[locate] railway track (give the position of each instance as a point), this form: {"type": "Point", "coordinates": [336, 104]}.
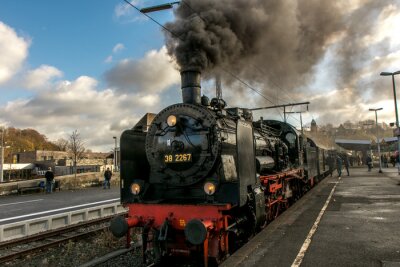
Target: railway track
{"type": "Point", "coordinates": [13, 249]}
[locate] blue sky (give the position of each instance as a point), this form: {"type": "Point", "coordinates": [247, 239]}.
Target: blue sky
{"type": "Point", "coordinates": [99, 66]}
{"type": "Point", "coordinates": [77, 36]}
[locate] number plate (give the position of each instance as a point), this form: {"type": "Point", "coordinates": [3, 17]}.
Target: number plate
{"type": "Point", "coordinates": [178, 158]}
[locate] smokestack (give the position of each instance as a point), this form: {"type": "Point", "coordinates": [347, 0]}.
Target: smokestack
{"type": "Point", "coordinates": [191, 89]}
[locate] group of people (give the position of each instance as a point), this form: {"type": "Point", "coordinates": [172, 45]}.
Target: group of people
{"type": "Point", "coordinates": [49, 175]}
{"type": "Point", "coordinates": [385, 160]}
{"type": "Point", "coordinates": [340, 160]}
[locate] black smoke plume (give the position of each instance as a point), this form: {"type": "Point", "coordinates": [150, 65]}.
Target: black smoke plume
{"type": "Point", "coordinates": [270, 41]}
{"type": "Point", "coordinates": [257, 39]}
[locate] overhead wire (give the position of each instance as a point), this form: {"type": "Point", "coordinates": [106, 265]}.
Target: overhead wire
{"type": "Point", "coordinates": [180, 38]}
{"type": "Point", "coordinates": [225, 70]}
{"type": "Point", "coordinates": [281, 89]}
{"type": "Point", "coordinates": [230, 73]}
{"type": "Point", "coordinates": [252, 88]}
{"type": "Point", "coordinates": [155, 21]}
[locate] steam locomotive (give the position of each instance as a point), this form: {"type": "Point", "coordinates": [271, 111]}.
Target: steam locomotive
{"type": "Point", "coordinates": [200, 179]}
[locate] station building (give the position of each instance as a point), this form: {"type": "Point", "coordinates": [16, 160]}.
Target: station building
{"type": "Point", "coordinates": [28, 164]}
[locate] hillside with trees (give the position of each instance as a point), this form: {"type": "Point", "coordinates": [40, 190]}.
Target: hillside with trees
{"type": "Point", "coordinates": [19, 140]}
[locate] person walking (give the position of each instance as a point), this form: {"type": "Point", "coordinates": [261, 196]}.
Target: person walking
{"type": "Point", "coordinates": [49, 175]}
{"type": "Point", "coordinates": [347, 164]}
{"type": "Point", "coordinates": [107, 178]}
{"type": "Point", "coordinates": [339, 165]}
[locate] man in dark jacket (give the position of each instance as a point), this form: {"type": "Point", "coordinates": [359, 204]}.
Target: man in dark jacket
{"type": "Point", "coordinates": [107, 178]}
{"type": "Point", "coordinates": [369, 162]}
{"type": "Point", "coordinates": [49, 175]}
{"type": "Point", "coordinates": [347, 164]}
{"type": "Point", "coordinates": [331, 163]}
{"type": "Point", "coordinates": [339, 164]}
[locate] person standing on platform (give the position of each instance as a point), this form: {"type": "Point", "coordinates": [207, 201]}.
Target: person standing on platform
{"type": "Point", "coordinates": [347, 164]}
{"type": "Point", "coordinates": [49, 175]}
{"type": "Point", "coordinates": [369, 162]}
{"type": "Point", "coordinates": [107, 178]}
{"type": "Point", "coordinates": [339, 165]}
{"type": "Point", "coordinates": [331, 163]}
{"type": "Point", "coordinates": [385, 161]}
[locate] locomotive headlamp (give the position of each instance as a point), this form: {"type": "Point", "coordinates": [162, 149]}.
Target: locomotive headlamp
{"type": "Point", "coordinates": [135, 189]}
{"type": "Point", "coordinates": [209, 188]}
{"type": "Point", "coordinates": [171, 120]}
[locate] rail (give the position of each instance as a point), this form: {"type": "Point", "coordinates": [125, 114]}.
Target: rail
{"type": "Point", "coordinates": [13, 249]}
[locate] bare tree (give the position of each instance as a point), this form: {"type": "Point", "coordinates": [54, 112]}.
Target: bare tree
{"type": "Point", "coordinates": [76, 147]}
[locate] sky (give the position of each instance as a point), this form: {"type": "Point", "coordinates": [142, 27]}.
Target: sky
{"type": "Point", "coordinates": [99, 66]}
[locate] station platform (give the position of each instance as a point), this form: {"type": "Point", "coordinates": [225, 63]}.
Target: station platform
{"type": "Point", "coordinates": [349, 221]}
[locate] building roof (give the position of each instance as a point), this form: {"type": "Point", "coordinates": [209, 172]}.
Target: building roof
{"type": "Point", "coordinates": [358, 145]}
{"type": "Point", "coordinates": [389, 139]}
{"type": "Point", "coordinates": [350, 141]}
{"type": "Point", "coordinates": [18, 166]}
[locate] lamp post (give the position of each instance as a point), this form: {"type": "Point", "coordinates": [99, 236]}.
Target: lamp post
{"type": "Point", "coordinates": [115, 154]}
{"type": "Point", "coordinates": [397, 116]}
{"type": "Point", "coordinates": [2, 155]}
{"type": "Point", "coordinates": [377, 136]}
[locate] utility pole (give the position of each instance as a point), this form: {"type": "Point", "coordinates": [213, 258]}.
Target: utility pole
{"type": "Point", "coordinates": [397, 115]}
{"type": "Point", "coordinates": [2, 155]}
{"type": "Point", "coordinates": [115, 154]}
{"type": "Point", "coordinates": [301, 119]}
{"type": "Point", "coordinates": [284, 107]}
{"type": "Point", "coordinates": [377, 136]}
{"type": "Point", "coordinates": [218, 87]}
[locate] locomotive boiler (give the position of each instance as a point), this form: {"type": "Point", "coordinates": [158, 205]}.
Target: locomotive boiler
{"type": "Point", "coordinates": [199, 179]}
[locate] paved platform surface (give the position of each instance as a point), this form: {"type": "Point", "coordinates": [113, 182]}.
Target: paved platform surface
{"type": "Point", "coordinates": [22, 207]}
{"type": "Point", "coordinates": [360, 226]}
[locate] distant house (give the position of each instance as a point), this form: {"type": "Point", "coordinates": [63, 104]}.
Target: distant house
{"type": "Point", "coordinates": [61, 158]}
{"type": "Point", "coordinates": [62, 162]}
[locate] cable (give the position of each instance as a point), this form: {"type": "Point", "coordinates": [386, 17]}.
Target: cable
{"type": "Point", "coordinates": [180, 38]}
{"type": "Point", "coordinates": [274, 83]}
{"type": "Point", "coordinates": [248, 85]}
{"type": "Point", "coordinates": [155, 21]}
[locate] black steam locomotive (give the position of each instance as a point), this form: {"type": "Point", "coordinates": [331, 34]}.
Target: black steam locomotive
{"type": "Point", "coordinates": [201, 179]}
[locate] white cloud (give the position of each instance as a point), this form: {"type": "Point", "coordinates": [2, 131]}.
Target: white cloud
{"type": "Point", "coordinates": [118, 47]}
{"type": "Point", "coordinates": [122, 9]}
{"type": "Point", "coordinates": [152, 74]}
{"type": "Point", "coordinates": [79, 104]}
{"type": "Point", "coordinates": [126, 13]}
{"type": "Point", "coordinates": [386, 28]}
{"type": "Point", "coordinates": [40, 78]}
{"type": "Point", "coordinates": [13, 52]}
{"type": "Point", "coordinates": [109, 59]}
